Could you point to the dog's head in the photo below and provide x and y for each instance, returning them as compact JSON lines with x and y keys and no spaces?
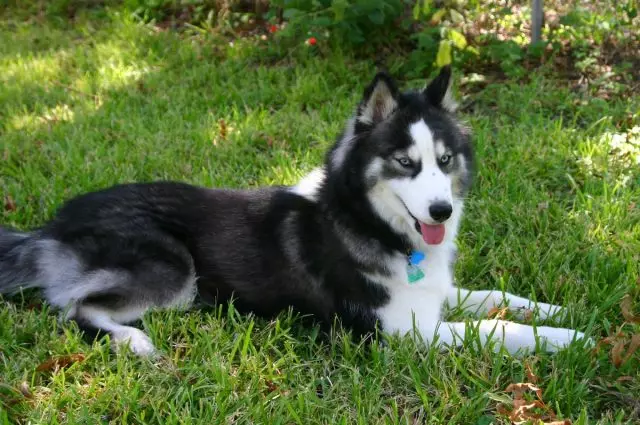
{"x":410,"y":155}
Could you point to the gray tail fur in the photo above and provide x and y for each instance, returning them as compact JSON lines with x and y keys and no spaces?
{"x":18,"y":260}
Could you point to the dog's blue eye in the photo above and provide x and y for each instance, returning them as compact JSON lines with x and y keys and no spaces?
{"x":445,"y":159}
{"x":405,"y":162}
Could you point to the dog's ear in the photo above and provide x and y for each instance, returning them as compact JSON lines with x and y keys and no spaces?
{"x":380,"y":100}
{"x":438,"y":92}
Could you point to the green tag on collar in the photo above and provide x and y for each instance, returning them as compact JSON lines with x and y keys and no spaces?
{"x":414,"y":274}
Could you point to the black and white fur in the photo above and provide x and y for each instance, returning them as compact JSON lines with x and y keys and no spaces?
{"x":333,"y":246}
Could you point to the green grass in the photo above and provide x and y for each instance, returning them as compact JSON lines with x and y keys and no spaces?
{"x":554,"y":215}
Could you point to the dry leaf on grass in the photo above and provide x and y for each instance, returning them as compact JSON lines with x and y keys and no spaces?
{"x":61,"y":362}
{"x":271,"y":386}
{"x":24,"y":390}
{"x":627,"y":310}
{"x":527,"y":315}
{"x":610,"y":340}
{"x":620,"y":352}
{"x":222,"y":129}
{"x":524,"y":409}
{"x":616,"y":352}
{"x":619,"y":355}
{"x":498,"y":313}
{"x":530,"y":375}
{"x":623,"y":344}
{"x":520,"y":388}
{"x":9,"y":203}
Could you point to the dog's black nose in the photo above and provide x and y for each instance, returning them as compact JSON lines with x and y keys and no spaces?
{"x":440,"y":211}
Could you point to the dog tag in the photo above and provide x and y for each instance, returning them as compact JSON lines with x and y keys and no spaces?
{"x":414,"y":272}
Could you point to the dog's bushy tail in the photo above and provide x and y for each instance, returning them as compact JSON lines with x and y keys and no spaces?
{"x":18,"y":260}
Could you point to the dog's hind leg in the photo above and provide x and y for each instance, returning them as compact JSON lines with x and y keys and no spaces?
{"x":480,"y":302}
{"x":108,"y":299}
{"x":100,"y":318}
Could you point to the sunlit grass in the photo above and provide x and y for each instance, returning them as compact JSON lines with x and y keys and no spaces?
{"x":107,"y":101}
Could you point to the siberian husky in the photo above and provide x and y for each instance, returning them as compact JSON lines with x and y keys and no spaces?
{"x":367,"y":239}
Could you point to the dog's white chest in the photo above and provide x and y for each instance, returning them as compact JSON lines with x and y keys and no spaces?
{"x":420,"y":301}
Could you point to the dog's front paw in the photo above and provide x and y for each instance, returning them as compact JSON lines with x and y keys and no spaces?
{"x":554,"y":339}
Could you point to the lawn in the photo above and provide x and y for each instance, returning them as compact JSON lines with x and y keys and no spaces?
{"x":554,"y":215}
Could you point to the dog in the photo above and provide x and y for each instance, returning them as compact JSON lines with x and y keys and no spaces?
{"x":367,"y":239}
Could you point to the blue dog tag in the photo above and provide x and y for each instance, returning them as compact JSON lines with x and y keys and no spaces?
{"x":416,"y":257}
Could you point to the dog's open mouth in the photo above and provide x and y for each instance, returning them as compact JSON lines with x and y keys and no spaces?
{"x":432,"y":234}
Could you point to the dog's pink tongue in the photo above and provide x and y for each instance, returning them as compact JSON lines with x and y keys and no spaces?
{"x":433,"y":234}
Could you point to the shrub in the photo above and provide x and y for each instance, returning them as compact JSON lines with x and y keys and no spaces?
{"x":355,"y":22}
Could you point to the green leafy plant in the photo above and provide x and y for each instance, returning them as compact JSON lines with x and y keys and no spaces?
{"x":356,"y":22}
{"x":509,"y":55}
{"x":438,"y":43}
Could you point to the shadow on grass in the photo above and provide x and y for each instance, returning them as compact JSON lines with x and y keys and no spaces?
{"x":135,"y":104}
